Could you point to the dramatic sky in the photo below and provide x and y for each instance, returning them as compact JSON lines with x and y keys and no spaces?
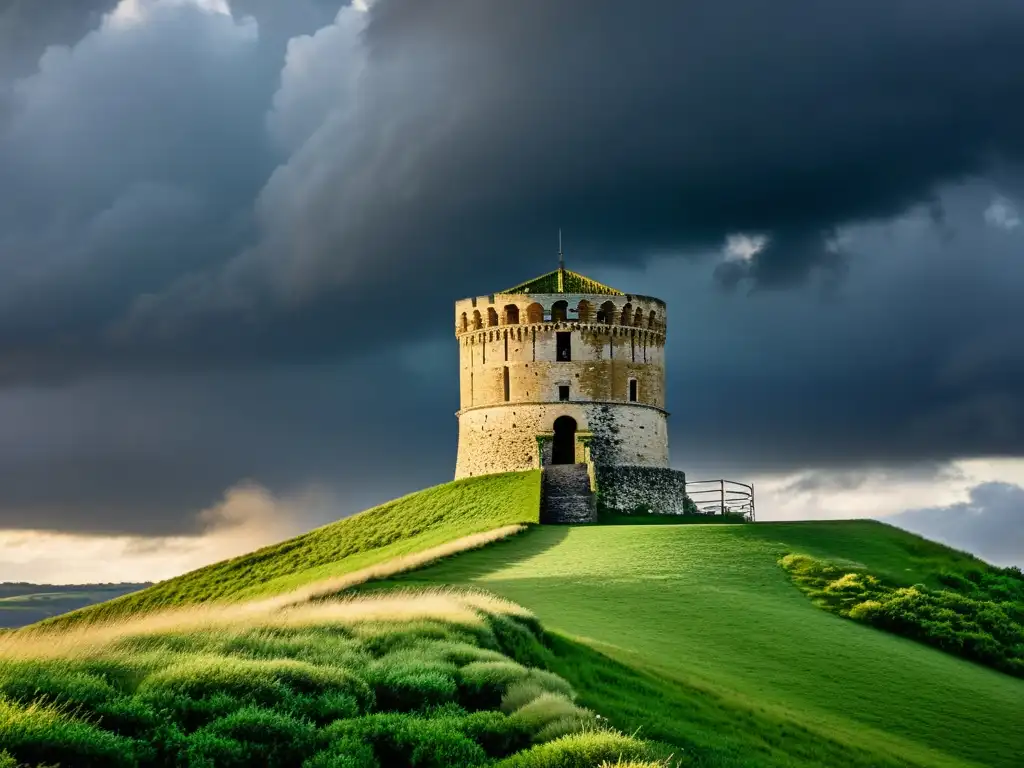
{"x":231,"y":234}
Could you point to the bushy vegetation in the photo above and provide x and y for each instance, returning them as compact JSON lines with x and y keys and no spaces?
{"x":401,"y":527}
{"x":426,"y":680}
{"x":979,"y":614}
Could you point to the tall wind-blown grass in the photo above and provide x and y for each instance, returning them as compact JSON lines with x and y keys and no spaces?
{"x":409,"y":527}
{"x":396,"y":679}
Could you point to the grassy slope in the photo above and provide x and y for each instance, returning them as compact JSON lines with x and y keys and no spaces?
{"x":404,"y":526}
{"x":354,"y":684}
{"x":723,"y":655}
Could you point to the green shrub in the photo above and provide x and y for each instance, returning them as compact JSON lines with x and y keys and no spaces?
{"x":580,"y":750}
{"x":206,"y":676}
{"x":187,"y":712}
{"x":344,"y":753}
{"x":327,"y":707}
{"x":564,"y":726}
{"x":404,"y":684}
{"x":53,"y":682}
{"x":549,"y":708}
{"x":266,"y":738}
{"x":39,"y":734}
{"x":403,"y":739}
{"x":521,"y":693}
{"x":498,"y":734}
{"x":980,"y":616}
{"x":483,"y":683}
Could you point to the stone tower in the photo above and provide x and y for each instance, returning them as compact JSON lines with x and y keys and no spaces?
{"x":565,"y":374}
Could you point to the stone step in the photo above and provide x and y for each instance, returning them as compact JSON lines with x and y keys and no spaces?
{"x":567,"y":494}
{"x":566,"y":479}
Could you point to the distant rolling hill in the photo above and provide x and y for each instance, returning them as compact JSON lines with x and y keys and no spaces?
{"x":22,"y":603}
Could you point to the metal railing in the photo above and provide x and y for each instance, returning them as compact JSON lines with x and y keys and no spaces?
{"x":718,"y":497}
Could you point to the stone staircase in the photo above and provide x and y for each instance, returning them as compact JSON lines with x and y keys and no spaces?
{"x":566,"y":495}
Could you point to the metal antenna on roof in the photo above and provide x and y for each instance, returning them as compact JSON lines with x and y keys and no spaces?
{"x":561,"y":264}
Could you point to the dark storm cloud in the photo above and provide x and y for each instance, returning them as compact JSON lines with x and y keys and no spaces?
{"x":990,"y":524}
{"x":145,"y":454}
{"x":184,"y":191}
{"x":443,"y":145}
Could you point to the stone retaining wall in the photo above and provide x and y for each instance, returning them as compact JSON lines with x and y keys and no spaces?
{"x":639,"y":490}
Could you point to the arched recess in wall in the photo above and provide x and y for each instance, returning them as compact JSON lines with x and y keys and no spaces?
{"x":478,"y":322}
{"x":535,"y":313}
{"x":627,"y":314}
{"x":638,"y":318}
{"x":652,"y":321}
{"x":560,"y":311}
{"x":511,"y":314}
{"x":584,"y":310}
{"x":492,"y":317}
{"x":464,"y":323}
{"x":606,"y":314}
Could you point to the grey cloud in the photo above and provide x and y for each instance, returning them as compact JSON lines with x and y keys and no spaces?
{"x":990,"y":524}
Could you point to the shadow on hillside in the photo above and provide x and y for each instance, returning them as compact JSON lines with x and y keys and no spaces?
{"x":479,"y":563}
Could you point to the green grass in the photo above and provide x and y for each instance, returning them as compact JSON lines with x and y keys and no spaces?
{"x":375,"y":683}
{"x":401,"y":527}
{"x":695,"y":634}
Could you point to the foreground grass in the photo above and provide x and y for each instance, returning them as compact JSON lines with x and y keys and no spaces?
{"x":696,"y":635}
{"x":398,"y":680}
{"x":403,"y":527}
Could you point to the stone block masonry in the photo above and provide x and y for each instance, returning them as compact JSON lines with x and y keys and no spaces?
{"x":634,"y":490}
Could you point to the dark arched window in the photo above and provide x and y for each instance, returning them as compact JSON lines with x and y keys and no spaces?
{"x":583,"y":309}
{"x":560,"y":311}
{"x":535,"y":313}
{"x":652,"y":321}
{"x":492,"y":317}
{"x":464,"y":323}
{"x":627,"y":314}
{"x":478,"y":322}
{"x":638,"y":318}
{"x":606,"y":314}
{"x":511,"y":314}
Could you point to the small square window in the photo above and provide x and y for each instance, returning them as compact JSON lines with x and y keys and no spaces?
{"x":563,"y":392}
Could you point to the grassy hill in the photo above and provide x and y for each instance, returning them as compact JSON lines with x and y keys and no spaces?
{"x":399,"y":528}
{"x":693,"y":634}
{"x":22,"y":604}
{"x":696,"y":635}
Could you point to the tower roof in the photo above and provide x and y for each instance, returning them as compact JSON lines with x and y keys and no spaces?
{"x":563,"y":280}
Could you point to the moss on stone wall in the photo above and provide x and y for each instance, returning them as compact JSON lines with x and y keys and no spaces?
{"x":642,"y":490}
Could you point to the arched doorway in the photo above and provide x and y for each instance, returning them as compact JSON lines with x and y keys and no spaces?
{"x":563,"y":450}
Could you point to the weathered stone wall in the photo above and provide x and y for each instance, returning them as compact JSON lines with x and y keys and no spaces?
{"x":504,"y":438}
{"x":634,"y":490}
{"x":604,"y":359}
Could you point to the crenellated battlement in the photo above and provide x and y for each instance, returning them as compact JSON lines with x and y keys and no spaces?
{"x":507,"y":309}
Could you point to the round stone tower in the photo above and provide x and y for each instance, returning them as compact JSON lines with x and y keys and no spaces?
{"x":562,"y":370}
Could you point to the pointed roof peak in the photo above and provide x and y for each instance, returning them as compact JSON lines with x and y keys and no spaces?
{"x":563,"y":280}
